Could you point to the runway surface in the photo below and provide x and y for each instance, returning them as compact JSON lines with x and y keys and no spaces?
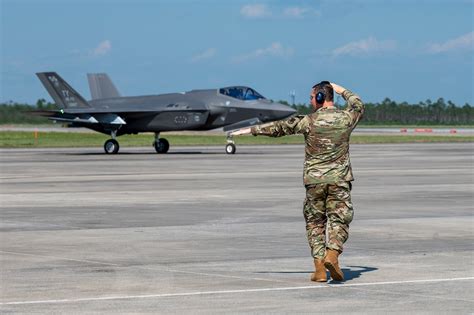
{"x":199,"y":231}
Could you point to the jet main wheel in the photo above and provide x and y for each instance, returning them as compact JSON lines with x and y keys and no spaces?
{"x":230,"y":148}
{"x":161,"y":146}
{"x":111,"y":146}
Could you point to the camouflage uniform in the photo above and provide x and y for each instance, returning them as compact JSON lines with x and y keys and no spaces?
{"x":327,"y":169}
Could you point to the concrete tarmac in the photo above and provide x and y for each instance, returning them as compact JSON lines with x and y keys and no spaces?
{"x":198,"y":231}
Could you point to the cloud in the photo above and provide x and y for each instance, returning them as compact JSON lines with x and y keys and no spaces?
{"x":299,"y":12}
{"x":255,"y":11}
{"x":276,"y":49}
{"x":208,"y":53}
{"x":102,"y":49}
{"x":464,"y":42}
{"x":365,"y":47}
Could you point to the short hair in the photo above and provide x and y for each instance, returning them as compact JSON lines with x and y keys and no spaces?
{"x":326,"y":88}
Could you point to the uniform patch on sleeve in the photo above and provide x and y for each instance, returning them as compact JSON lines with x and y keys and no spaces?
{"x":293,"y":121}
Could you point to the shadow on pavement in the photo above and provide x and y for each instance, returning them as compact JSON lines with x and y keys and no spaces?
{"x":353,"y":272}
{"x":162,"y":155}
{"x":135,"y":153}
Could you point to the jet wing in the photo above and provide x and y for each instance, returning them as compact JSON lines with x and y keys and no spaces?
{"x":90,"y":120}
{"x":84,"y":118}
{"x":93,"y":116}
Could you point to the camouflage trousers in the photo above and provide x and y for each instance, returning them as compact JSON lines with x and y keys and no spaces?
{"x":327,"y":209}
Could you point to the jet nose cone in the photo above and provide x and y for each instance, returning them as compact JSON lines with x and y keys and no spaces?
{"x":285,"y":111}
{"x":291,"y":110}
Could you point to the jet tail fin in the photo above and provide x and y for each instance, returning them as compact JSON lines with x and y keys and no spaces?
{"x":61,"y":92}
{"x":101,"y":86}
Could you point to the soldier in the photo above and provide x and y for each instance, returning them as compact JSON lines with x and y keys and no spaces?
{"x":327,"y":171}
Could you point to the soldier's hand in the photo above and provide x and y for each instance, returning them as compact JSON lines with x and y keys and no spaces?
{"x":245,"y":131}
{"x":337,"y":88}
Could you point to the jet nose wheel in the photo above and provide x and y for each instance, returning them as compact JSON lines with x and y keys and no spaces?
{"x":111,"y":146}
{"x":230,"y":148}
{"x":161,"y":146}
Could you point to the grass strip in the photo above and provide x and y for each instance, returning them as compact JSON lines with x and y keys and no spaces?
{"x":26,"y":139}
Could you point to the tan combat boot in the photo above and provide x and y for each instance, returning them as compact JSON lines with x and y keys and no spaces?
{"x":332,"y":264}
{"x":319,"y":274}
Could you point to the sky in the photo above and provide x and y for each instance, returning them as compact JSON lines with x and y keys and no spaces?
{"x":404,"y":50}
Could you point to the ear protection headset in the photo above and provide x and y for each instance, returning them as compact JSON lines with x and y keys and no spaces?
{"x":320,"y":96}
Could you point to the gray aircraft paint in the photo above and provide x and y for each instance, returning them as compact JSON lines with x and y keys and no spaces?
{"x":193,"y":110}
{"x":101,"y":86}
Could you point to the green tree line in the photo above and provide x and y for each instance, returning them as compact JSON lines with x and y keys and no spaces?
{"x":16,"y":113}
{"x":387,"y":112}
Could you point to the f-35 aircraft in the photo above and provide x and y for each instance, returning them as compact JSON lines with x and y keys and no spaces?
{"x":232,"y":107}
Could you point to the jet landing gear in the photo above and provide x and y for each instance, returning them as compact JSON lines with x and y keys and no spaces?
{"x":161,"y":144}
{"x":111,"y":146}
{"x":230,"y":146}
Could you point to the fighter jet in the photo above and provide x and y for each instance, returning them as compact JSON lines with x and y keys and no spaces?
{"x":232,"y":107}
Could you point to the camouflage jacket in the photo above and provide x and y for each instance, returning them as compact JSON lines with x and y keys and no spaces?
{"x":327,"y":132}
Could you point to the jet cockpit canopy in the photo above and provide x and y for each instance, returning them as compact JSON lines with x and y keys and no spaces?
{"x":241,"y":92}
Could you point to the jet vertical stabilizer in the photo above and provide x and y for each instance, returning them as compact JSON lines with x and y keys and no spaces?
{"x":101,"y":86}
{"x":62,"y":93}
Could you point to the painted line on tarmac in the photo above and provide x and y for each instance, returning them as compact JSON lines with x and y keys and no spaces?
{"x":128,"y":297}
